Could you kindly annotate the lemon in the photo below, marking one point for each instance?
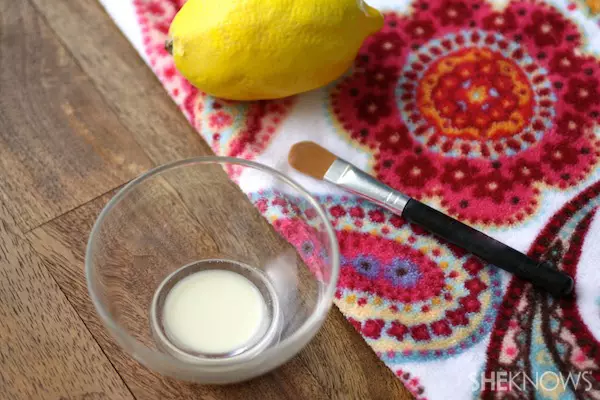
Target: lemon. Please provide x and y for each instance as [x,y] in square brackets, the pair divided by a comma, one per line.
[266,49]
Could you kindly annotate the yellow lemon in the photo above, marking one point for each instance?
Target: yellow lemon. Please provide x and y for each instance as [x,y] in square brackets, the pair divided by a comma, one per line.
[266,49]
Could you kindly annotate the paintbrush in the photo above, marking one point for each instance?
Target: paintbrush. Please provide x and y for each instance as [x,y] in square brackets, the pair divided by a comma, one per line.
[313,160]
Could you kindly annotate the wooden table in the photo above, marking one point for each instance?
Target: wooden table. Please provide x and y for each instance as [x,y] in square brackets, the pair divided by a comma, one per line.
[81,115]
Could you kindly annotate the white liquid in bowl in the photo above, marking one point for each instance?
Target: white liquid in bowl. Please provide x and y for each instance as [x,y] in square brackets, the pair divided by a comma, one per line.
[214,312]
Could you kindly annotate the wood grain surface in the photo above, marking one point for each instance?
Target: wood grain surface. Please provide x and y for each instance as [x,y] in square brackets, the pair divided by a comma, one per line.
[81,114]
[60,144]
[122,77]
[46,352]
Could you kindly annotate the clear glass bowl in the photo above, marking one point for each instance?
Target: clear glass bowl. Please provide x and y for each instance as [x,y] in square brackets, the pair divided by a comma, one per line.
[189,216]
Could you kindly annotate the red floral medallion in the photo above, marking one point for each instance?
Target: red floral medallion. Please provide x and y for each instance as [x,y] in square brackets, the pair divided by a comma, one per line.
[482,109]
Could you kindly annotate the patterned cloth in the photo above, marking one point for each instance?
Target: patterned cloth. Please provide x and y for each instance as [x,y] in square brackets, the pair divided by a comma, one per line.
[487,111]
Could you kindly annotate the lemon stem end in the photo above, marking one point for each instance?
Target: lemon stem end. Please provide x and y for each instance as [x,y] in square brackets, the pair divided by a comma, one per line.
[169,46]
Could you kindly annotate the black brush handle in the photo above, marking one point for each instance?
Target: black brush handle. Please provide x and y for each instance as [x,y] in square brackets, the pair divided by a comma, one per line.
[488,249]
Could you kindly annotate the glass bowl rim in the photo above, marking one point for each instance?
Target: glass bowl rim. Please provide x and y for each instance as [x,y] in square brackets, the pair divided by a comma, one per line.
[313,321]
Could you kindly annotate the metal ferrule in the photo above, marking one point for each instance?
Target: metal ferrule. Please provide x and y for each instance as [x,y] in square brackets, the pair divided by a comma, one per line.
[354,180]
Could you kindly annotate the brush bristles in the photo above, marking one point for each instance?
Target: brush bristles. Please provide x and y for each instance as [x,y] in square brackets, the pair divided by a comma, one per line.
[310,159]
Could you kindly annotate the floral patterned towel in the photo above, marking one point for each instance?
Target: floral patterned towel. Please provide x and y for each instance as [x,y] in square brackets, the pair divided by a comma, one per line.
[488,111]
